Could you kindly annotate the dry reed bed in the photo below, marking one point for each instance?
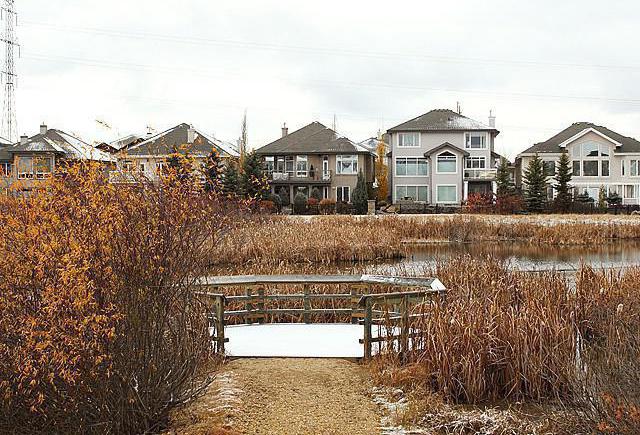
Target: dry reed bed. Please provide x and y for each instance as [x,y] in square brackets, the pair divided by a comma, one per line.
[332,239]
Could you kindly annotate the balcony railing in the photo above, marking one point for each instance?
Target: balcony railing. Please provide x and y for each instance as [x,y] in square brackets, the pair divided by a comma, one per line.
[480,174]
[315,175]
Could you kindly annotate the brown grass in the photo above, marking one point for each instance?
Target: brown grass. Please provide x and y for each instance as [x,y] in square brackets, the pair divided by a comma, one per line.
[332,239]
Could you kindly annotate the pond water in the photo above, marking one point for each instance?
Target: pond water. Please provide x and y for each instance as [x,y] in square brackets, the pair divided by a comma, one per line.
[529,257]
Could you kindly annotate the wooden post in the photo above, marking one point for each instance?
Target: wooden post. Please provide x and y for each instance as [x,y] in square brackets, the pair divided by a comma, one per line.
[404,328]
[367,328]
[307,305]
[248,305]
[220,303]
[354,304]
[260,307]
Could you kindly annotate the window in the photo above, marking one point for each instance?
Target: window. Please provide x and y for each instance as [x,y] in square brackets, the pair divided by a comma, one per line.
[447,194]
[346,165]
[408,140]
[447,163]
[5,169]
[411,166]
[141,167]
[161,167]
[549,168]
[590,168]
[127,166]
[34,167]
[576,168]
[591,159]
[476,141]
[269,164]
[634,168]
[416,193]
[288,165]
[629,191]
[301,166]
[476,163]
[343,194]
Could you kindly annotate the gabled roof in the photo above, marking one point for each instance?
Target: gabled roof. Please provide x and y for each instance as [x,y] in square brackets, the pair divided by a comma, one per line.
[557,143]
[442,120]
[125,142]
[61,143]
[5,155]
[176,138]
[446,145]
[372,143]
[314,138]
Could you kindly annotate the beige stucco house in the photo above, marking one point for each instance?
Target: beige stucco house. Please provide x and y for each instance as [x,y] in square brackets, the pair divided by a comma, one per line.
[146,159]
[317,157]
[441,157]
[26,164]
[599,158]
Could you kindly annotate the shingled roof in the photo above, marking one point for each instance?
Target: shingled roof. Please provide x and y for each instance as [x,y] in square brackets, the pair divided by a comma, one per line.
[552,145]
[314,138]
[442,120]
[176,138]
[59,142]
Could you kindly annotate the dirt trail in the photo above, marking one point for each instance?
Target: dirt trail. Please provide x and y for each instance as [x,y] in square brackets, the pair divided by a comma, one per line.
[276,396]
[303,396]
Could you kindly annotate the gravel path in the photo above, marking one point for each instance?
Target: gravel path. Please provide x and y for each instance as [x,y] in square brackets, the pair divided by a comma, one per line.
[303,396]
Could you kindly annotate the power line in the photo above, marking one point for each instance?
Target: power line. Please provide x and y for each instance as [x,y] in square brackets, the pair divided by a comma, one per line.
[327,83]
[326,51]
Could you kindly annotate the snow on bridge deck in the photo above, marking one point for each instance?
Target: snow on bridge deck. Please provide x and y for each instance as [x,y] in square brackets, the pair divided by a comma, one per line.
[295,340]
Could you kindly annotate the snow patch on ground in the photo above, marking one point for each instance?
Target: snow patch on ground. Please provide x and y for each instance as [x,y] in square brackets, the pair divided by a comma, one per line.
[393,403]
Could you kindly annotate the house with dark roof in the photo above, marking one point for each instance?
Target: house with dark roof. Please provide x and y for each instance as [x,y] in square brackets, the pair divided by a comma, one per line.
[120,144]
[441,157]
[316,157]
[35,158]
[148,157]
[600,158]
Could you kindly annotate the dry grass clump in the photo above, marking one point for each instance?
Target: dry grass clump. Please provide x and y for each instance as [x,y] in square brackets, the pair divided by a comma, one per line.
[321,240]
[332,239]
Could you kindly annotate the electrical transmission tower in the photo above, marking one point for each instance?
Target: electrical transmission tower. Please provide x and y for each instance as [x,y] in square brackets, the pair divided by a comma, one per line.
[9,128]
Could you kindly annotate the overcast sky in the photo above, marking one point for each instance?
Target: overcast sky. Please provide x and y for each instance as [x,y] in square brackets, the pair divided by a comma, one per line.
[131,64]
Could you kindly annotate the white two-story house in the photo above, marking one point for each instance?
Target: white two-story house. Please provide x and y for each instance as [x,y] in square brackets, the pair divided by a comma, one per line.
[441,157]
[600,158]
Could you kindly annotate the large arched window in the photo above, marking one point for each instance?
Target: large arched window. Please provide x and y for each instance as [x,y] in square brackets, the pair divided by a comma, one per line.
[447,163]
[591,159]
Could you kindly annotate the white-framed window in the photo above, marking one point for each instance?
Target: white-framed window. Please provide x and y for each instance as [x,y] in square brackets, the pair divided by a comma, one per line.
[476,163]
[408,140]
[288,165]
[161,166]
[141,167]
[325,192]
[301,166]
[38,167]
[446,163]
[629,191]
[591,159]
[411,166]
[416,193]
[5,169]
[269,164]
[634,168]
[447,193]
[343,194]
[475,141]
[127,166]
[346,164]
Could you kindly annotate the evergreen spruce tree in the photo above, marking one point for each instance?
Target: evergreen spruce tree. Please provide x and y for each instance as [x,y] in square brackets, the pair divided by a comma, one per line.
[535,189]
[563,178]
[360,196]
[253,182]
[231,179]
[505,186]
[213,172]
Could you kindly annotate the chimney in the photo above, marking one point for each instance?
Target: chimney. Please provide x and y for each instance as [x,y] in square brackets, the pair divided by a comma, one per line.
[191,135]
[492,119]
[285,130]
[43,128]
[23,139]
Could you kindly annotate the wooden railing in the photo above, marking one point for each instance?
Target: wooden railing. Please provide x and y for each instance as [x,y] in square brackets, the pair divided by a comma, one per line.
[359,305]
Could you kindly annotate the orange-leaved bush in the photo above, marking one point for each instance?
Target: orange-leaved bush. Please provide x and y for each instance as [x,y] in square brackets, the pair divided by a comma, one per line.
[100,329]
